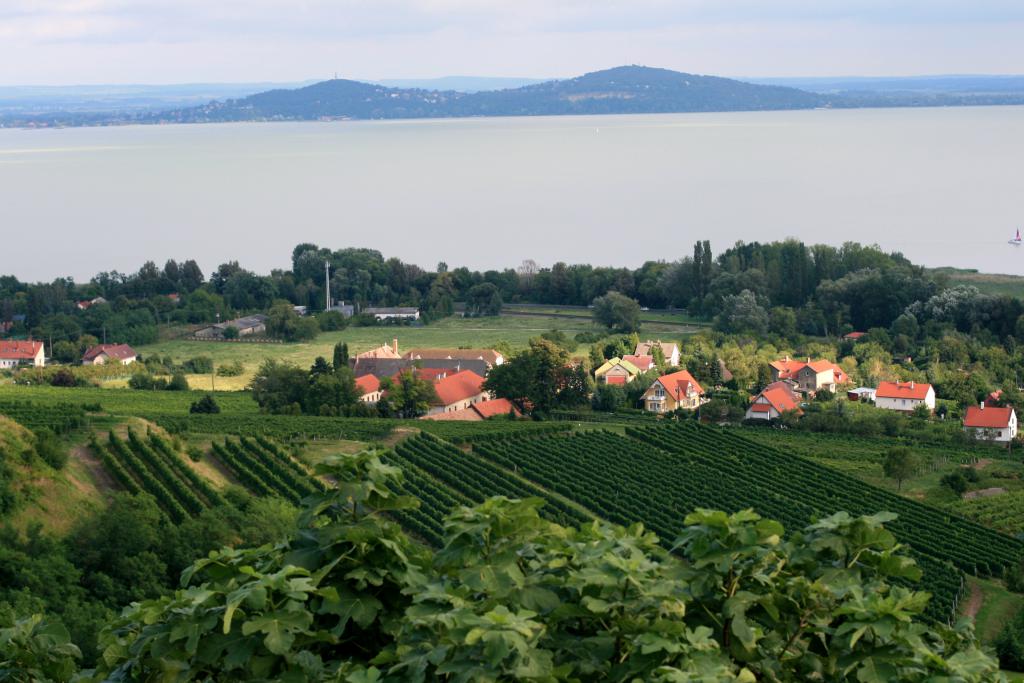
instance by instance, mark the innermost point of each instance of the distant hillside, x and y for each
(622, 90)
(987, 283)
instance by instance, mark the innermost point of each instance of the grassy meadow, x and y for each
(987, 283)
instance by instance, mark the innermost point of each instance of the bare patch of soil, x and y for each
(984, 493)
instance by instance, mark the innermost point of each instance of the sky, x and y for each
(63, 42)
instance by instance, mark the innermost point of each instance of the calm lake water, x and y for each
(944, 186)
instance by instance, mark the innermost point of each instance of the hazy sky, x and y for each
(174, 41)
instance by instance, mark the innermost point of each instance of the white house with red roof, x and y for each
(15, 353)
(109, 353)
(809, 376)
(678, 390)
(991, 423)
(641, 363)
(457, 391)
(479, 411)
(369, 388)
(774, 400)
(904, 396)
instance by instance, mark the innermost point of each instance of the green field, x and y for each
(987, 283)
(649, 319)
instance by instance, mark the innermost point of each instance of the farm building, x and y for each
(109, 353)
(776, 398)
(991, 423)
(369, 388)
(616, 371)
(678, 390)
(669, 349)
(810, 376)
(904, 396)
(479, 411)
(489, 356)
(394, 313)
(458, 391)
(15, 353)
(247, 326)
(389, 367)
(861, 394)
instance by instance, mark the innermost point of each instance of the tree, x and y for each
(340, 355)
(206, 405)
(279, 387)
(178, 382)
(65, 352)
(608, 398)
(900, 464)
(331, 393)
(955, 482)
(410, 396)
(742, 314)
(285, 323)
(617, 312)
(539, 379)
(483, 300)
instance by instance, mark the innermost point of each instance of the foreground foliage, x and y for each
(511, 596)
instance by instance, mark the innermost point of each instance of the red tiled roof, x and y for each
(490, 356)
(116, 351)
(989, 418)
(458, 387)
(642, 362)
(678, 383)
(788, 368)
(498, 406)
(367, 384)
(913, 390)
(854, 335)
(19, 350)
(780, 397)
(761, 407)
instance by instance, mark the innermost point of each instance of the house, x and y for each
(616, 371)
(479, 411)
(904, 396)
(489, 356)
(810, 376)
(109, 353)
(641, 363)
(991, 423)
(247, 326)
(678, 390)
(669, 349)
(369, 388)
(389, 367)
(853, 336)
(774, 400)
(394, 313)
(382, 351)
(82, 305)
(861, 394)
(346, 310)
(15, 353)
(458, 391)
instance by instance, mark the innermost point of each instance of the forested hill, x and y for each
(622, 90)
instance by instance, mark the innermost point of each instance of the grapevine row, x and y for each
(149, 483)
(172, 458)
(159, 467)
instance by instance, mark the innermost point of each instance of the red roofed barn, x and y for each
(15, 353)
(109, 353)
(678, 390)
(991, 423)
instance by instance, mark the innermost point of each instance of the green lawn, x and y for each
(998, 606)
(648, 318)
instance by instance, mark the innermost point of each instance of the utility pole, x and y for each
(327, 283)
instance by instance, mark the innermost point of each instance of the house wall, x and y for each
(617, 371)
(904, 404)
(459, 405)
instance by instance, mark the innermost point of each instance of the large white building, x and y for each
(904, 396)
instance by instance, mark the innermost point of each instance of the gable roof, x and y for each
(790, 367)
(490, 356)
(988, 418)
(645, 348)
(20, 350)
(458, 387)
(367, 384)
(388, 367)
(679, 383)
(854, 335)
(495, 407)
(779, 396)
(115, 351)
(640, 362)
(382, 351)
(912, 390)
(617, 362)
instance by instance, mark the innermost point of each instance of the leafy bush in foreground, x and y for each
(511, 596)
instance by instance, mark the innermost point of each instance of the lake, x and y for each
(941, 185)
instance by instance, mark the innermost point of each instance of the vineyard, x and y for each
(61, 418)
(1003, 512)
(135, 402)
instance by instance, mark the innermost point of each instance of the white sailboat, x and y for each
(1016, 241)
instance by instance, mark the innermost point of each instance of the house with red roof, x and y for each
(854, 336)
(675, 391)
(109, 353)
(810, 376)
(15, 353)
(774, 400)
(498, 407)
(991, 423)
(369, 388)
(669, 349)
(489, 356)
(457, 391)
(640, 362)
(904, 396)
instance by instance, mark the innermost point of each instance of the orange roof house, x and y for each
(109, 353)
(479, 411)
(993, 423)
(14, 353)
(457, 391)
(774, 400)
(809, 376)
(369, 388)
(904, 396)
(678, 390)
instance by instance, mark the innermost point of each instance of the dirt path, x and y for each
(100, 477)
(982, 464)
(973, 602)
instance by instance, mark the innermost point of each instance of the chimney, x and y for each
(981, 406)
(911, 384)
(394, 345)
